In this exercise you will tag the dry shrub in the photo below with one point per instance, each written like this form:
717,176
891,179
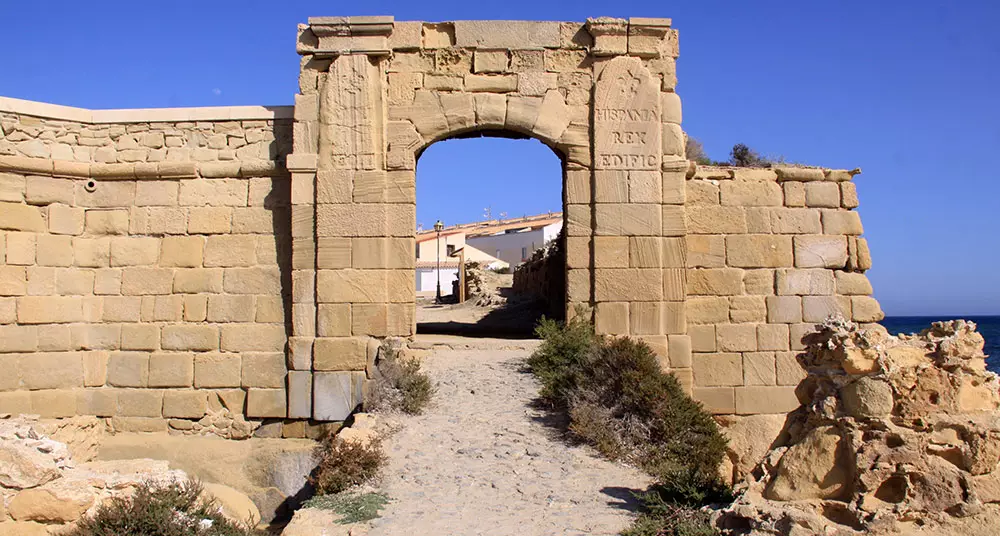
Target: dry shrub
400,385
622,403
171,509
344,464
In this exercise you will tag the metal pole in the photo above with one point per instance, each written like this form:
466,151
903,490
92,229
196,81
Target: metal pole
439,266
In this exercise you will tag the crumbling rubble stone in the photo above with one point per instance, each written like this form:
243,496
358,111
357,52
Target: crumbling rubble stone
891,430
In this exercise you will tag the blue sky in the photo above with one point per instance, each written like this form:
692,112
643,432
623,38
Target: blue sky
905,90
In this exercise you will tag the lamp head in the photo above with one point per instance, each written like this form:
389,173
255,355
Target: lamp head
438,226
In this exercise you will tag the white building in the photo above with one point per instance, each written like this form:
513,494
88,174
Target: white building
514,241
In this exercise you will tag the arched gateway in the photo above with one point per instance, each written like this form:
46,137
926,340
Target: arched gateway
149,273
375,92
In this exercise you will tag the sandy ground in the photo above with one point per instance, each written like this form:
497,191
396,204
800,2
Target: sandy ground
483,459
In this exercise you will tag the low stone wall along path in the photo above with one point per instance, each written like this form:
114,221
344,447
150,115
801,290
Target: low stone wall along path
484,460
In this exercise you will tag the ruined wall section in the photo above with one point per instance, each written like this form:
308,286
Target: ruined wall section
770,254
143,271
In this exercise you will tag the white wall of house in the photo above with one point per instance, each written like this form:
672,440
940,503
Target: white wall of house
515,247
427,281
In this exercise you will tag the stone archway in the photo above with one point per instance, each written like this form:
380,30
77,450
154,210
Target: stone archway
375,92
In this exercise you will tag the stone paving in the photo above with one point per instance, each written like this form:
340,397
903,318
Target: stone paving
484,460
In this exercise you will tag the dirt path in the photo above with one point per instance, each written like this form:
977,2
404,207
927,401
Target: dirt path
482,460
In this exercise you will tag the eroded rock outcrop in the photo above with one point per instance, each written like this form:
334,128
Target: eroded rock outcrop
42,485
894,433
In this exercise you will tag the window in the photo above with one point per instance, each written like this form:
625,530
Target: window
524,254
450,249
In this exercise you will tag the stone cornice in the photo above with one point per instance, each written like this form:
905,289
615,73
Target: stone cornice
139,170
143,115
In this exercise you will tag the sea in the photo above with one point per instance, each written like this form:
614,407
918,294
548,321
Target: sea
988,327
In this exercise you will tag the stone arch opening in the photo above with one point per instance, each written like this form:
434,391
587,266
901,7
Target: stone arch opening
501,197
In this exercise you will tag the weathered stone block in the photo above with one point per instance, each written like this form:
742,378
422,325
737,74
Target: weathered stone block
759,251
65,220
737,337
253,338
210,220
186,404
680,347
852,284
841,222
195,281
259,280
628,284
822,194
21,248
718,400
848,195
707,310
299,394
134,251
701,192
128,369
819,308
140,336
266,403
336,394
265,370
765,399
97,402
54,250
612,318
222,308
784,309
810,282
865,309
820,251
758,368
611,251
795,220
717,369
49,309
744,309
710,219
340,353
171,370
214,370
788,369
715,282
772,337
751,194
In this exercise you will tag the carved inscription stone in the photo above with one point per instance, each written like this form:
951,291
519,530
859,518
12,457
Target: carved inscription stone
626,117
352,119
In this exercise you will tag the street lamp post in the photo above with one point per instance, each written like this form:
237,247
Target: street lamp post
438,226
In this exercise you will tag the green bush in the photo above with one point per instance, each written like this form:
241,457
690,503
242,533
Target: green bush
400,385
621,402
559,359
344,464
173,509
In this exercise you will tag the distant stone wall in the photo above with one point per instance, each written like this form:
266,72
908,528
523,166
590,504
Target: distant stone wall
544,277
144,265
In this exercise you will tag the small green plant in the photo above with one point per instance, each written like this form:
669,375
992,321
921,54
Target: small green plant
344,464
400,386
161,509
353,507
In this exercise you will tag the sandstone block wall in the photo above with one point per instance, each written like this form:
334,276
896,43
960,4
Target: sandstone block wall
144,264
770,253
158,264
